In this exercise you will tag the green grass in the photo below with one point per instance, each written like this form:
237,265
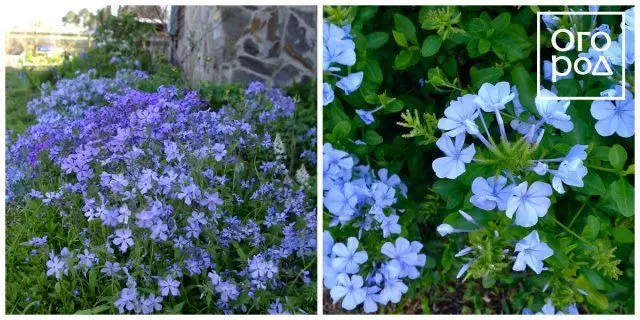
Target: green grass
19,90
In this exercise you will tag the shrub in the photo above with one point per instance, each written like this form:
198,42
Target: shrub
513,175
154,202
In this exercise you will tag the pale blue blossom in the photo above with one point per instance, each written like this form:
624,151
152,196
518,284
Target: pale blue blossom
351,82
407,255
490,193
350,290
367,115
615,116
327,94
341,201
459,116
452,164
493,98
529,203
347,258
531,252
554,112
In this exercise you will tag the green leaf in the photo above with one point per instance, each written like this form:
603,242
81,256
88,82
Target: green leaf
526,88
404,25
404,60
622,235
401,40
395,105
486,75
341,130
483,46
477,27
592,228
452,191
617,156
372,71
488,280
371,137
96,310
593,184
376,40
622,195
501,22
431,45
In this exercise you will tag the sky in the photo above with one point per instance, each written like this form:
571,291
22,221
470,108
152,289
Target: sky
50,13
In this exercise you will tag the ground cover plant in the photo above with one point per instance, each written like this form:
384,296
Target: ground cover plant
450,187
129,193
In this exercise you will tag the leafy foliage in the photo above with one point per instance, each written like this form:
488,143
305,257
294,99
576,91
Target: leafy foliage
416,60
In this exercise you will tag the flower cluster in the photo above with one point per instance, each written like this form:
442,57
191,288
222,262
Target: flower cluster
70,97
357,196
338,48
170,198
518,186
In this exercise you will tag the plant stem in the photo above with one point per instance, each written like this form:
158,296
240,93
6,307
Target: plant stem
603,169
577,214
571,232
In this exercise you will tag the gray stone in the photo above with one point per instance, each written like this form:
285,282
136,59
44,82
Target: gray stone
242,76
250,47
257,66
284,75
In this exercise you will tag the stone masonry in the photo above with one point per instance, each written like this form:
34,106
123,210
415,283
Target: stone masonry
227,44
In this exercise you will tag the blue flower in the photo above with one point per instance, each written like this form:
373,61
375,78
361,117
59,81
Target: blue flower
327,94
337,48
407,255
371,301
350,290
550,21
570,173
490,193
531,252
55,266
383,195
337,166
341,201
390,225
351,82
393,289
367,116
529,203
615,118
554,112
123,239
346,259
169,286
492,98
549,309
460,116
629,20
453,164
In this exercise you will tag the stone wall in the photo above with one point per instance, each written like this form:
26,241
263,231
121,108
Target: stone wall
274,44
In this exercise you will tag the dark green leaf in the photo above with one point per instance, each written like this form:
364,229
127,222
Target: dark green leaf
376,40
617,156
404,25
622,194
526,88
371,137
431,45
486,75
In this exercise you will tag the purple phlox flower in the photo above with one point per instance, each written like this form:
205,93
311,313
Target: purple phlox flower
123,239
